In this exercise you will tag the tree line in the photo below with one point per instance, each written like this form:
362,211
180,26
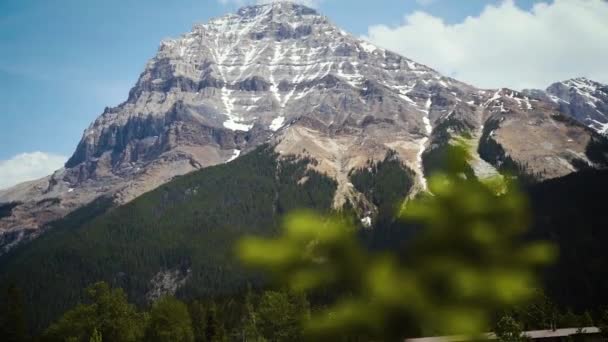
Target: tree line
107,315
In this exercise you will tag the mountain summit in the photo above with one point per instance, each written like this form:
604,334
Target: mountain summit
283,74
583,99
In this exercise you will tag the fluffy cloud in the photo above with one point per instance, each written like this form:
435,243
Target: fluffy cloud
506,46
28,166
310,3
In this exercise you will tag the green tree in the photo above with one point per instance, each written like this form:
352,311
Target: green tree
603,323
250,331
96,336
12,326
108,312
570,320
467,262
199,320
279,316
539,312
509,330
169,322
214,328
587,320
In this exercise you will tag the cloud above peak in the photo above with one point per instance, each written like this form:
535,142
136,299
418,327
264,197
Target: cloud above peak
28,166
506,46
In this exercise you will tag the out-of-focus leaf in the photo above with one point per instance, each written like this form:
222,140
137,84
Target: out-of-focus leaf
467,262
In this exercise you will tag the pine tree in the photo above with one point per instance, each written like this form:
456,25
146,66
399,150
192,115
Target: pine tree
250,332
96,336
169,322
509,330
214,330
603,323
280,315
199,320
13,324
108,312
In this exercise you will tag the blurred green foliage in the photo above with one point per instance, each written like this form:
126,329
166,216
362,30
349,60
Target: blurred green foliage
467,263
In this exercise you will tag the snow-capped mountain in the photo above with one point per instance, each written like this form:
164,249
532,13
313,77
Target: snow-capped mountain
583,99
283,74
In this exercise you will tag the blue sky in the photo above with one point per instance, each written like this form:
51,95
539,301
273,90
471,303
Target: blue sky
63,61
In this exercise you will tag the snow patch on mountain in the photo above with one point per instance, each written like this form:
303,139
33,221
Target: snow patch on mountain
283,74
583,99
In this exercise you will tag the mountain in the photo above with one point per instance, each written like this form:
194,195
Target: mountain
258,113
179,236
581,98
284,75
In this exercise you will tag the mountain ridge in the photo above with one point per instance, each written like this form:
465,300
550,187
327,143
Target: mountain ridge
583,99
283,74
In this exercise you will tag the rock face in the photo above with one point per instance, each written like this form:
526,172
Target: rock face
584,100
166,283
283,74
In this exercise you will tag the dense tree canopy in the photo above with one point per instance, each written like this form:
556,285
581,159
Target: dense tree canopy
169,322
107,314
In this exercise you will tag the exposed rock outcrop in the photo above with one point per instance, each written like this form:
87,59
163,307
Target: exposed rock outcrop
284,74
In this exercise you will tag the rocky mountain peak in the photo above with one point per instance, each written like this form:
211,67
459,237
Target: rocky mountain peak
284,75
583,99
280,20
277,9
580,85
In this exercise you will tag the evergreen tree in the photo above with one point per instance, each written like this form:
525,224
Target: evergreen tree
280,314
96,336
603,323
214,329
250,332
587,319
169,322
539,313
199,320
570,319
109,313
13,323
509,330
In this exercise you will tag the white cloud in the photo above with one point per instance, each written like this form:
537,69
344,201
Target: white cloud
28,166
506,46
310,3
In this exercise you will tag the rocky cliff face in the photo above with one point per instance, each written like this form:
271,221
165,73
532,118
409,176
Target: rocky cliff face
584,100
284,74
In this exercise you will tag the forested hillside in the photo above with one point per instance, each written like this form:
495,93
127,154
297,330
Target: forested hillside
187,226
182,235
571,211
